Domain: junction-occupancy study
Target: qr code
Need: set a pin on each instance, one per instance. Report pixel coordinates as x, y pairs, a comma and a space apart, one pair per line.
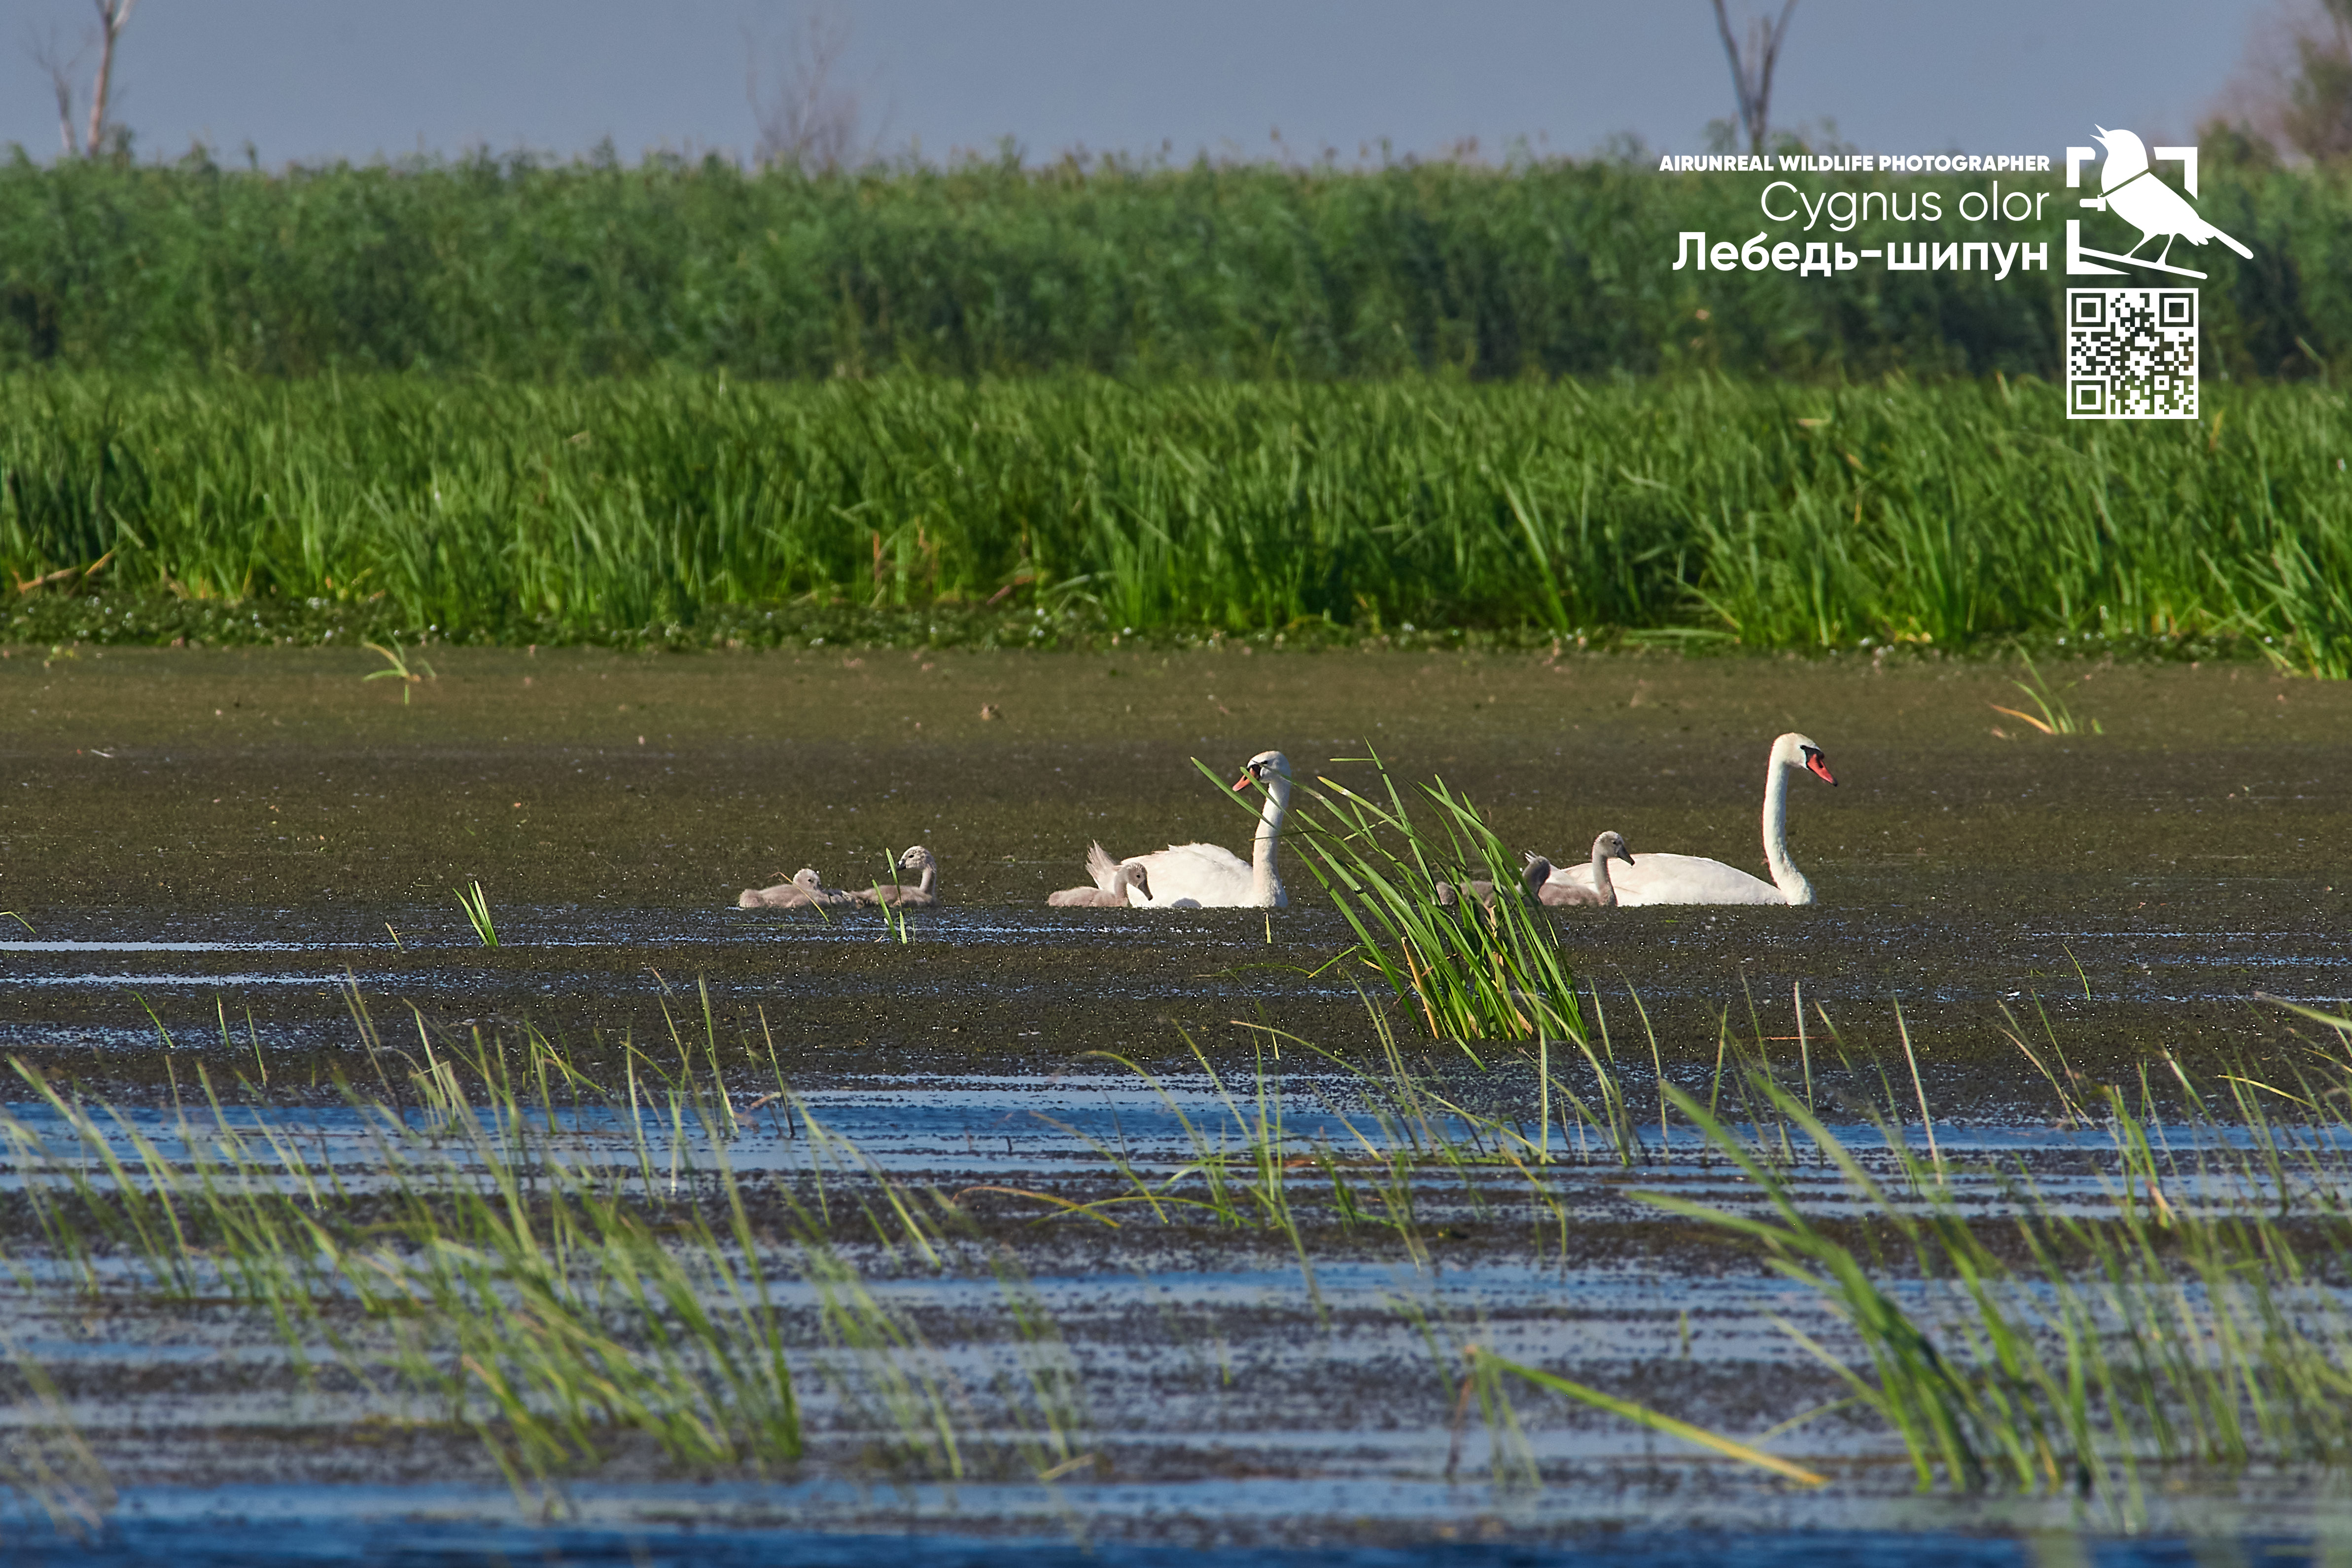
2131, 353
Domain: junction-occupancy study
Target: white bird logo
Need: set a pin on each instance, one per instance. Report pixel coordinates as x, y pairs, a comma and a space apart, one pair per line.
2129, 190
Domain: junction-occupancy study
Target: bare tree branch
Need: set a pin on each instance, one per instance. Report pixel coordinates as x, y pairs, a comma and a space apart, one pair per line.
59, 66
811, 120
1751, 68
114, 15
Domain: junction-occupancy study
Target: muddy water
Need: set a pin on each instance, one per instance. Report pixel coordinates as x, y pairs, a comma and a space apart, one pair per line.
245, 844
287, 822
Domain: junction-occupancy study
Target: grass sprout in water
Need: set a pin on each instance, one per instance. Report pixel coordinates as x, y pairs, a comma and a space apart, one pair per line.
47, 1461
477, 906
2057, 717
1641, 1415
893, 915
399, 670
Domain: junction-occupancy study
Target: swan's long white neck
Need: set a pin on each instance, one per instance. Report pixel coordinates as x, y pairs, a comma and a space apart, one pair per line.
1266, 881
1601, 882
1785, 875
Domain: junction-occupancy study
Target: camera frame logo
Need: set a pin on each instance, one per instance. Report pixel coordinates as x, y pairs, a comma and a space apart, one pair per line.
2131, 352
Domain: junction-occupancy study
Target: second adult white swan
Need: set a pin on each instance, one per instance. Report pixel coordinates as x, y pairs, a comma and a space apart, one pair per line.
1695, 879
1211, 876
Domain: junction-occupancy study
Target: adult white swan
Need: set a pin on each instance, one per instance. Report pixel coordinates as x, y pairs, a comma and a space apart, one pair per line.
1211, 876
1695, 879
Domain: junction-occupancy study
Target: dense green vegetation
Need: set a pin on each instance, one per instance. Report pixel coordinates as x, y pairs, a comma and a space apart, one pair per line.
1950, 516
519, 268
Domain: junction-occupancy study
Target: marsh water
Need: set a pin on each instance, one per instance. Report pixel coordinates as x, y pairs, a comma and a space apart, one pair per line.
217, 859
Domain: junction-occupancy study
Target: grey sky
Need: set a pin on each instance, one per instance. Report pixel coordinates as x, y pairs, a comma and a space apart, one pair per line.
305, 80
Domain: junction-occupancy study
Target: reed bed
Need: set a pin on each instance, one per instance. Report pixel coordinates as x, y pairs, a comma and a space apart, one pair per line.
524, 268
1949, 516
2188, 1311
530, 267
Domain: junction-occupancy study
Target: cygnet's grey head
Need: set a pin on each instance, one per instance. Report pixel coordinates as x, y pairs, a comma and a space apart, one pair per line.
1610, 845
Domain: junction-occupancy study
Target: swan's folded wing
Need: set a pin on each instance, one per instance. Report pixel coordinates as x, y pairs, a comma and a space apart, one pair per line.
1215, 855
1207, 875
1663, 878
1100, 866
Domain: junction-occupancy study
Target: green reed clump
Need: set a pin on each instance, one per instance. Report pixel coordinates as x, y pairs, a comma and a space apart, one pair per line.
475, 906
1950, 516
1474, 971
528, 1293
2057, 714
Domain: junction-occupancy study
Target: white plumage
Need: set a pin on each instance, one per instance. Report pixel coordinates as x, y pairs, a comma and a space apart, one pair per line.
2135, 194
1695, 879
1211, 876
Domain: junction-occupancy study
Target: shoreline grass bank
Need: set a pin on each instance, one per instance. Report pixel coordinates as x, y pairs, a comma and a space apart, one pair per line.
696, 511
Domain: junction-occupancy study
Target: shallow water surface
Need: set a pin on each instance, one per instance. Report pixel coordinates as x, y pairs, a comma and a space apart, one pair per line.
237, 868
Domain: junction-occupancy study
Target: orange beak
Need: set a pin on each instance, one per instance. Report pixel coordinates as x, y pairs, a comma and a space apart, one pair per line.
1820, 765
1241, 783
